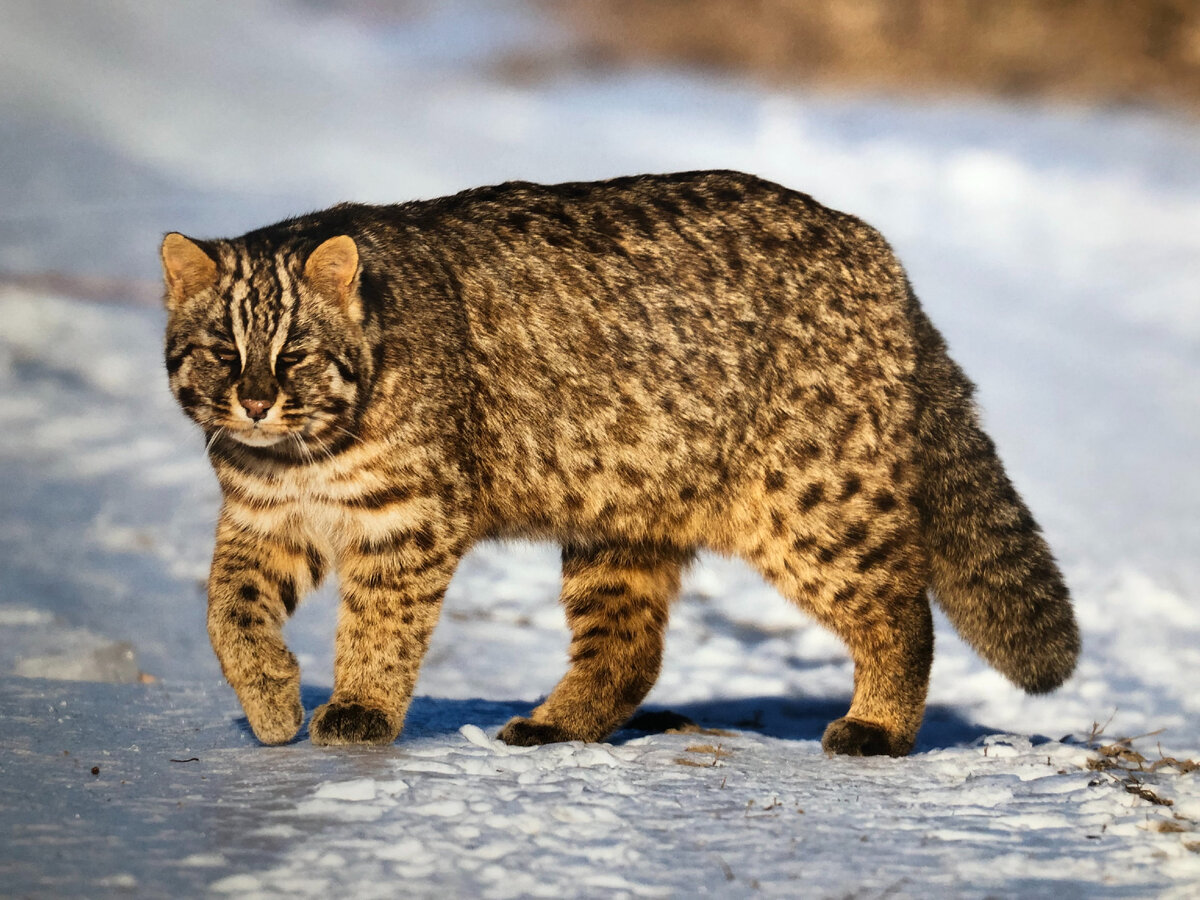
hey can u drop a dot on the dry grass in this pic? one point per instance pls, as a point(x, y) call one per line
point(1142, 776)
point(1098, 51)
point(717, 753)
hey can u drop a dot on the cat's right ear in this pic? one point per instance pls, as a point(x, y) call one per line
point(333, 268)
point(187, 269)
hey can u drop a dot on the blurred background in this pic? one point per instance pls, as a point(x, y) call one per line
point(121, 119)
point(1036, 164)
point(1105, 52)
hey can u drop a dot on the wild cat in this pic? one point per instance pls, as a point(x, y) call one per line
point(635, 369)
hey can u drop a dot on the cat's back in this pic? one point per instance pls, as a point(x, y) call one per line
point(722, 229)
point(641, 274)
point(684, 252)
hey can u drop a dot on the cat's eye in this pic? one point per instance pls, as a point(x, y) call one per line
point(289, 359)
point(226, 354)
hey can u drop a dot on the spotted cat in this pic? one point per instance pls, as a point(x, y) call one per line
point(634, 369)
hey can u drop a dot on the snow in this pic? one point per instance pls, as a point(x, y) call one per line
point(185, 801)
point(1058, 249)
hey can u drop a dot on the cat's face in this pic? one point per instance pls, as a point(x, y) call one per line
point(266, 350)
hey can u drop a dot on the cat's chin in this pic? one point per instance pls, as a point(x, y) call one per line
point(257, 438)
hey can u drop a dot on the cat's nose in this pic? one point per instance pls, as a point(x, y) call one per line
point(257, 409)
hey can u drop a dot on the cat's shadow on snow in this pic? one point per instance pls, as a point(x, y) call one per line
point(800, 720)
point(779, 717)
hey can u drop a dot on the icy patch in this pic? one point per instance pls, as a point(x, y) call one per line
point(237, 884)
point(114, 662)
point(359, 789)
point(37, 645)
point(16, 616)
point(337, 810)
point(121, 882)
point(204, 860)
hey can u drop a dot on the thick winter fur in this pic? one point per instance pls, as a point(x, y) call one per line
point(635, 369)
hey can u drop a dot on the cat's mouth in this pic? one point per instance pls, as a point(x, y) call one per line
point(294, 433)
point(261, 435)
point(257, 423)
point(258, 436)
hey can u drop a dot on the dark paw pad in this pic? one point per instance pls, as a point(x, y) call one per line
point(351, 723)
point(854, 737)
point(522, 732)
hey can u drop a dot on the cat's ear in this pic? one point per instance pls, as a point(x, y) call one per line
point(187, 269)
point(333, 270)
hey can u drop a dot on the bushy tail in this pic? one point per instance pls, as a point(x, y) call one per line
point(991, 570)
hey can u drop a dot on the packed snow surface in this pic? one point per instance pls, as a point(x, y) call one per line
point(1058, 250)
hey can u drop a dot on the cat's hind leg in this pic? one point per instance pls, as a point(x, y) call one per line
point(867, 585)
point(891, 677)
point(617, 598)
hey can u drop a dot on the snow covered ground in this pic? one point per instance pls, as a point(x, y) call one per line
point(1058, 249)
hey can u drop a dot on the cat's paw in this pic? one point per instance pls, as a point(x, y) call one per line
point(273, 709)
point(522, 732)
point(352, 723)
point(856, 737)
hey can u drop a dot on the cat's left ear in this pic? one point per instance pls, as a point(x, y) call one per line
point(333, 270)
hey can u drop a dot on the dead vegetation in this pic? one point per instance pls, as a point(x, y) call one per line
point(1098, 51)
point(1143, 776)
point(717, 752)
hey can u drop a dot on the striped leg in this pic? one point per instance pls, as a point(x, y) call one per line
point(616, 599)
point(869, 589)
point(391, 596)
point(891, 676)
point(252, 589)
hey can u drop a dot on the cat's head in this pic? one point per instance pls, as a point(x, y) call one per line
point(265, 346)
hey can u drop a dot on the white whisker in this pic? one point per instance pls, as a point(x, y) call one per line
point(324, 448)
point(213, 438)
point(350, 434)
point(304, 451)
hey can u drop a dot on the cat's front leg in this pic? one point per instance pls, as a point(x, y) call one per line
point(253, 587)
point(392, 588)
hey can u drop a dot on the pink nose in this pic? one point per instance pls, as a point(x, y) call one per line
point(257, 409)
